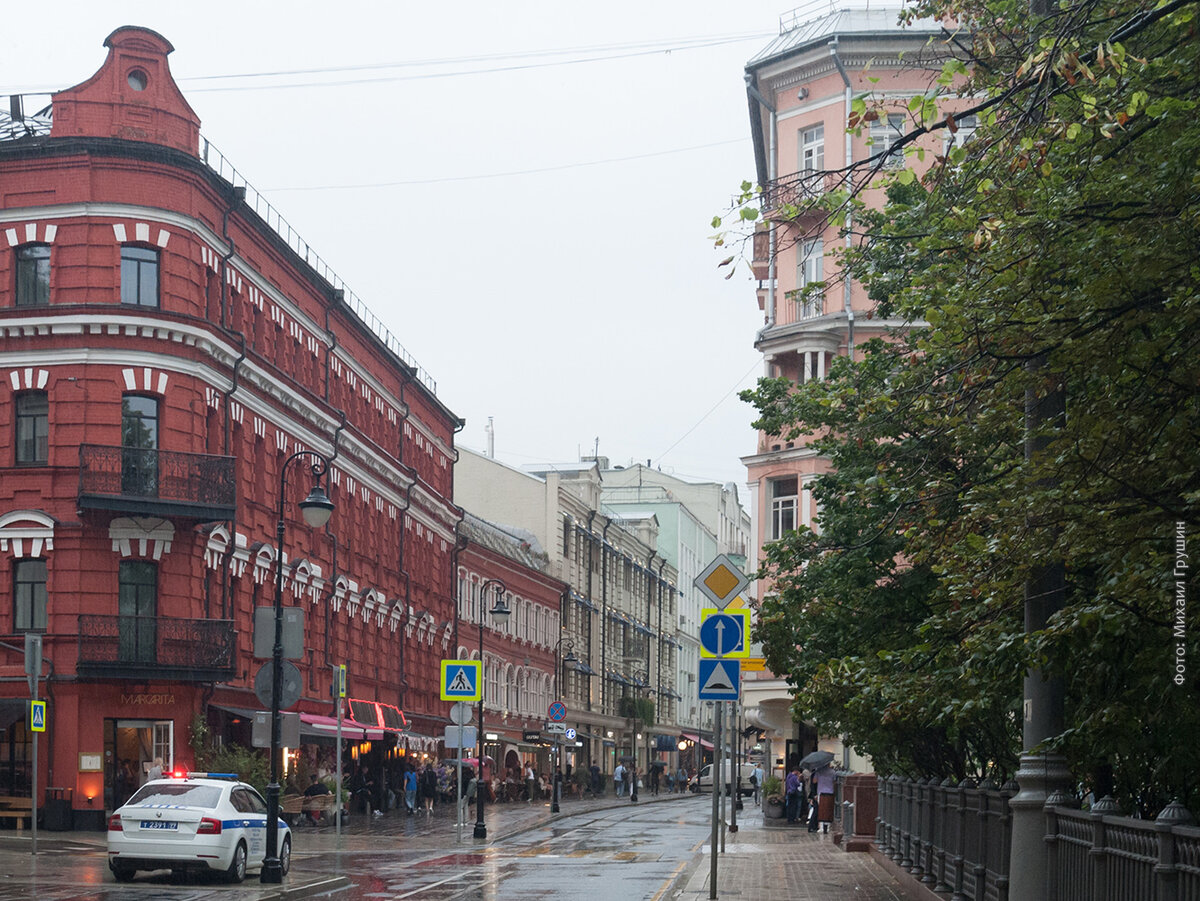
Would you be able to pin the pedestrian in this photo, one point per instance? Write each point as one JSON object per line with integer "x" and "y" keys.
{"x": 594, "y": 770}
{"x": 472, "y": 788}
{"x": 681, "y": 780}
{"x": 428, "y": 787}
{"x": 812, "y": 802}
{"x": 530, "y": 783}
{"x": 619, "y": 779}
{"x": 655, "y": 773}
{"x": 410, "y": 789}
{"x": 632, "y": 775}
{"x": 794, "y": 793}
{"x": 156, "y": 770}
{"x": 756, "y": 779}
{"x": 823, "y": 779}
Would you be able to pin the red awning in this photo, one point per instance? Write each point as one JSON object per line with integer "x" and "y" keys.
{"x": 352, "y": 729}
{"x": 697, "y": 739}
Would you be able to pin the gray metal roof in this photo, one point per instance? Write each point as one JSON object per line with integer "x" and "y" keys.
{"x": 797, "y": 32}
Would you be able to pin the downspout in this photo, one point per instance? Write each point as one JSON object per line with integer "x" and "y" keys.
{"x": 239, "y": 196}
{"x": 460, "y": 545}
{"x": 849, "y": 97}
{"x": 772, "y": 174}
{"x": 405, "y": 412}
{"x": 339, "y": 296}
{"x": 604, "y": 616}
{"x": 591, "y": 539}
{"x": 649, "y": 603}
{"x": 660, "y": 615}
{"x": 333, "y": 538}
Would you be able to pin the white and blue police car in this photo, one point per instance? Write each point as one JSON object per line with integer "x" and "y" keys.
{"x": 193, "y": 821}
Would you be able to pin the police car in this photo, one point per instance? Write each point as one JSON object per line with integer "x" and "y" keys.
{"x": 193, "y": 821}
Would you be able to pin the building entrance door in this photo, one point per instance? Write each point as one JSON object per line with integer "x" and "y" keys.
{"x": 130, "y": 747}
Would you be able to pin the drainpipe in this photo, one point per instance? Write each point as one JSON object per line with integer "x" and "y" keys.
{"x": 339, "y": 296}
{"x": 239, "y": 196}
{"x": 604, "y": 617}
{"x": 849, "y": 97}
{"x": 337, "y": 433}
{"x": 660, "y": 615}
{"x": 591, "y": 538}
{"x": 772, "y": 174}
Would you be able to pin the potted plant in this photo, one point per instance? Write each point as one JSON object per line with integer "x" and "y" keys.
{"x": 774, "y": 801}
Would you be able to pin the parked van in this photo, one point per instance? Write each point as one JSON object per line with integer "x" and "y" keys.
{"x": 703, "y": 780}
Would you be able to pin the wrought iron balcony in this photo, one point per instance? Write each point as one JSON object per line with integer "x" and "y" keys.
{"x": 158, "y": 647}
{"x": 797, "y": 196}
{"x": 150, "y": 482}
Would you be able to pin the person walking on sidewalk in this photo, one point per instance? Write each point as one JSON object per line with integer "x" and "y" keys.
{"x": 756, "y": 778}
{"x": 410, "y": 789}
{"x": 429, "y": 787}
{"x": 794, "y": 793}
{"x": 472, "y": 787}
{"x": 632, "y": 775}
{"x": 619, "y": 779}
{"x": 530, "y": 783}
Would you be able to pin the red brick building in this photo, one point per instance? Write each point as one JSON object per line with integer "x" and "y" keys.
{"x": 168, "y": 342}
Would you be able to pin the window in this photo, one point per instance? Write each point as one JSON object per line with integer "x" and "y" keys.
{"x": 784, "y": 498}
{"x": 812, "y": 149}
{"x": 33, "y": 428}
{"x": 139, "y": 438}
{"x": 33, "y": 275}
{"x": 139, "y": 276}
{"x": 137, "y": 608}
{"x": 29, "y": 596}
{"x": 810, "y": 278}
{"x": 884, "y": 135}
{"x": 965, "y": 130}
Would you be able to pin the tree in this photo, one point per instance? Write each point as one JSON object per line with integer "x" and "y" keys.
{"x": 1067, "y": 233}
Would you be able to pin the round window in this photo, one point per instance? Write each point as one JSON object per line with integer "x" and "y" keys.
{"x": 137, "y": 79}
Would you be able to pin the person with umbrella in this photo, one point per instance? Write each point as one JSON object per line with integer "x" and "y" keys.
{"x": 820, "y": 788}
{"x": 656, "y": 769}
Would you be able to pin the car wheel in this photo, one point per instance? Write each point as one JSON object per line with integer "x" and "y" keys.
{"x": 121, "y": 873}
{"x": 285, "y": 855}
{"x": 237, "y": 866}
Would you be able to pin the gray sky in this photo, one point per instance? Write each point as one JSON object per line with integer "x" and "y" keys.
{"x": 520, "y": 190}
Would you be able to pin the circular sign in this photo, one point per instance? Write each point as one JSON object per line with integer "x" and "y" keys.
{"x": 290, "y": 684}
{"x": 557, "y": 712}
{"x": 571, "y": 734}
{"x": 460, "y": 713}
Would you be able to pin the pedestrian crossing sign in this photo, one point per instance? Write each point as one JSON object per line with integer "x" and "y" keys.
{"x": 462, "y": 680}
{"x": 37, "y": 716}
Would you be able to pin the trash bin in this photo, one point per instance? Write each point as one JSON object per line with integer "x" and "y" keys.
{"x": 58, "y": 816}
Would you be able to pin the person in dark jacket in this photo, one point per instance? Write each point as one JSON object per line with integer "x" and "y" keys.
{"x": 793, "y": 789}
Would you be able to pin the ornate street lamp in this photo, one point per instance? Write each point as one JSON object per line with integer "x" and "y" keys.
{"x": 563, "y": 662}
{"x": 316, "y": 509}
{"x": 500, "y": 613}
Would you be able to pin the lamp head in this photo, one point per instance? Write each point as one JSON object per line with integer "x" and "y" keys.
{"x": 317, "y": 507}
{"x": 570, "y": 659}
{"x": 500, "y": 610}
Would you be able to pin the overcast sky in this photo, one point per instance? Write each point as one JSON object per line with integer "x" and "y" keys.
{"x": 521, "y": 191}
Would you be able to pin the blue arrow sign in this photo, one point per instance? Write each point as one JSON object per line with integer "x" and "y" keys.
{"x": 720, "y": 680}
{"x": 724, "y": 634}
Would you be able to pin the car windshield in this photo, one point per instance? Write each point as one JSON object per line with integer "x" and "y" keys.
{"x": 176, "y": 794}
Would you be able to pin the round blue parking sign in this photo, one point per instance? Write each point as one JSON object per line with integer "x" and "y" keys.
{"x": 557, "y": 712}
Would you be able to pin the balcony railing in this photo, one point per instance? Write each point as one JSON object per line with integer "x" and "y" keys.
{"x": 799, "y": 192}
{"x": 158, "y": 647}
{"x": 156, "y": 482}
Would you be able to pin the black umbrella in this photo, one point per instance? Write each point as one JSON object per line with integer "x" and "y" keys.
{"x": 658, "y": 764}
{"x": 816, "y": 760}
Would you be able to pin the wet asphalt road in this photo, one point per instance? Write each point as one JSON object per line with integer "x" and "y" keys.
{"x": 623, "y": 854}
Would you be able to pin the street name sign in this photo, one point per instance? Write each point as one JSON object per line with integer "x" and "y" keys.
{"x": 462, "y": 680}
{"x": 721, "y": 581}
{"x": 725, "y": 633}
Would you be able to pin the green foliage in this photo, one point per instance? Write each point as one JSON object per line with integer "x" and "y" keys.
{"x": 1059, "y": 250}
{"x": 641, "y": 709}
{"x": 772, "y": 788}
{"x": 250, "y": 764}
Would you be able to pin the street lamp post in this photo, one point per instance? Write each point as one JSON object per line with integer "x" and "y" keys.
{"x": 499, "y": 612}
{"x": 316, "y": 508}
{"x": 556, "y": 787}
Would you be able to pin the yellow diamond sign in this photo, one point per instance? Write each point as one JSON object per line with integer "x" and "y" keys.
{"x": 721, "y": 581}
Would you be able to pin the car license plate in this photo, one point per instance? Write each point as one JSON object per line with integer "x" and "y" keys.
{"x": 159, "y": 824}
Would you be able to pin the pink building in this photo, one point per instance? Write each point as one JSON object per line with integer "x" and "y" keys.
{"x": 800, "y": 89}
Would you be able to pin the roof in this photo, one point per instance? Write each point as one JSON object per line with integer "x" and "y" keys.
{"x": 511, "y": 541}
{"x": 798, "y": 35}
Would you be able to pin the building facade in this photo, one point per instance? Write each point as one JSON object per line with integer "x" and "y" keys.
{"x": 800, "y": 90}
{"x": 520, "y": 652}
{"x": 618, "y": 622}
{"x": 172, "y": 356}
{"x": 697, "y": 521}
